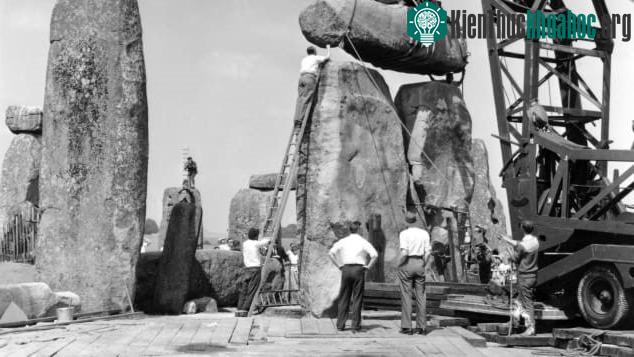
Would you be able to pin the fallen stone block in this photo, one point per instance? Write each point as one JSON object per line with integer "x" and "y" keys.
{"x": 204, "y": 304}
{"x": 378, "y": 32}
{"x": 24, "y": 119}
{"x": 36, "y": 299}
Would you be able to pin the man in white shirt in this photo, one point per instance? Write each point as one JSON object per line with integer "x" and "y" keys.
{"x": 253, "y": 269}
{"x": 415, "y": 251}
{"x": 308, "y": 74}
{"x": 353, "y": 255}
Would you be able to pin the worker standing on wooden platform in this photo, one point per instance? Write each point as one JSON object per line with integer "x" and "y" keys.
{"x": 253, "y": 270}
{"x": 415, "y": 252}
{"x": 526, "y": 252}
{"x": 308, "y": 75}
{"x": 354, "y": 256}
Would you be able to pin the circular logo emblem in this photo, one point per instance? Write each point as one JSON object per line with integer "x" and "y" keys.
{"x": 426, "y": 23}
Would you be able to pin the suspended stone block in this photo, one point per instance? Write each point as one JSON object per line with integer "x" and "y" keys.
{"x": 266, "y": 182}
{"x": 378, "y": 32}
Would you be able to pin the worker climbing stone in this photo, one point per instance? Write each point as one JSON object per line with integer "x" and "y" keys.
{"x": 192, "y": 170}
{"x": 308, "y": 75}
{"x": 525, "y": 257}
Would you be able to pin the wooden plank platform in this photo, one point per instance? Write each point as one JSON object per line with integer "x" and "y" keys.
{"x": 480, "y": 305}
{"x": 218, "y": 334}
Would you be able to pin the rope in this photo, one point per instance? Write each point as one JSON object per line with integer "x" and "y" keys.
{"x": 405, "y": 128}
{"x": 589, "y": 345}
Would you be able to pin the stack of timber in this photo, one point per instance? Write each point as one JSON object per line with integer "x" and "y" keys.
{"x": 385, "y": 296}
{"x": 448, "y": 298}
{"x": 499, "y": 333}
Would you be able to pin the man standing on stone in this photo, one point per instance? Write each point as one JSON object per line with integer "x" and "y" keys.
{"x": 525, "y": 257}
{"x": 415, "y": 252}
{"x": 192, "y": 170}
{"x": 308, "y": 75}
{"x": 253, "y": 269}
{"x": 353, "y": 255}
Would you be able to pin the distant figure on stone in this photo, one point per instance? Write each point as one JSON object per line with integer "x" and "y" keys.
{"x": 525, "y": 257}
{"x": 253, "y": 269}
{"x": 353, "y": 255}
{"x": 192, "y": 170}
{"x": 223, "y": 245}
{"x": 308, "y": 75}
{"x": 415, "y": 249}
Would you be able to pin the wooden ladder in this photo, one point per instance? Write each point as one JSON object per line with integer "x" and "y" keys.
{"x": 277, "y": 203}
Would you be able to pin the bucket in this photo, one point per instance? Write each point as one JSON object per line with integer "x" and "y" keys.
{"x": 65, "y": 314}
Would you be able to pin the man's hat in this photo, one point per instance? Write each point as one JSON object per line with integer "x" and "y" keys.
{"x": 410, "y": 217}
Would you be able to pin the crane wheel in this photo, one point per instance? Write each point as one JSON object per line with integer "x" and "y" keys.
{"x": 603, "y": 302}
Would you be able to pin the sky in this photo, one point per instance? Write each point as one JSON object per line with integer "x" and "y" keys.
{"x": 221, "y": 81}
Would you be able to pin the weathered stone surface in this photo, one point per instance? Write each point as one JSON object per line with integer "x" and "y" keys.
{"x": 378, "y": 31}
{"x": 175, "y": 266}
{"x": 20, "y": 173}
{"x": 24, "y": 119}
{"x": 248, "y": 210}
{"x": 352, "y": 168}
{"x": 485, "y": 209}
{"x": 216, "y": 273}
{"x": 173, "y": 195}
{"x": 36, "y": 299}
{"x": 265, "y": 182}
{"x": 95, "y": 148}
{"x": 224, "y": 270}
{"x": 439, "y": 150}
{"x": 204, "y": 304}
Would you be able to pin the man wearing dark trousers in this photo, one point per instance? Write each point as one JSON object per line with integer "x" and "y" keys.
{"x": 415, "y": 251}
{"x": 353, "y": 255}
{"x": 253, "y": 270}
{"x": 309, "y": 74}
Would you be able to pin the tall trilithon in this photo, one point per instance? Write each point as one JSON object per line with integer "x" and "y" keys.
{"x": 95, "y": 151}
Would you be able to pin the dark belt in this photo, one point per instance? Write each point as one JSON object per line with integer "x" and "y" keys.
{"x": 415, "y": 256}
{"x": 353, "y": 265}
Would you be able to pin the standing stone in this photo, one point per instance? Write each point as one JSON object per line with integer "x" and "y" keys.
{"x": 95, "y": 149}
{"x": 20, "y": 174}
{"x": 177, "y": 259}
{"x": 24, "y": 119}
{"x": 171, "y": 196}
{"x": 248, "y": 210}
{"x": 485, "y": 209}
{"x": 439, "y": 150}
{"x": 352, "y": 168}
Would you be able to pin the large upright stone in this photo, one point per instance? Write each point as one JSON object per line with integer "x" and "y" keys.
{"x": 439, "y": 150}
{"x": 379, "y": 33}
{"x": 485, "y": 209}
{"x": 24, "y": 119}
{"x": 95, "y": 149}
{"x": 352, "y": 168}
{"x": 20, "y": 174}
{"x": 247, "y": 210}
{"x": 171, "y": 196}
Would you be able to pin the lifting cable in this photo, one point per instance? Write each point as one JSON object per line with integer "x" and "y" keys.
{"x": 405, "y": 128}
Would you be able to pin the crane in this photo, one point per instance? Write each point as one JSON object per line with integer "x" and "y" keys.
{"x": 555, "y": 168}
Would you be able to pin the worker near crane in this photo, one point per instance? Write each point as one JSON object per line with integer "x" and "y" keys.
{"x": 415, "y": 248}
{"x": 253, "y": 269}
{"x": 192, "y": 170}
{"x": 525, "y": 258}
{"x": 353, "y": 255}
{"x": 308, "y": 75}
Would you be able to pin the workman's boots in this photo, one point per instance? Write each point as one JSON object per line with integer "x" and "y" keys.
{"x": 529, "y": 323}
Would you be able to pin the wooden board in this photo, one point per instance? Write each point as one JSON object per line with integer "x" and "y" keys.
{"x": 222, "y": 333}
{"x": 241, "y": 332}
{"x": 479, "y": 305}
{"x": 472, "y": 338}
